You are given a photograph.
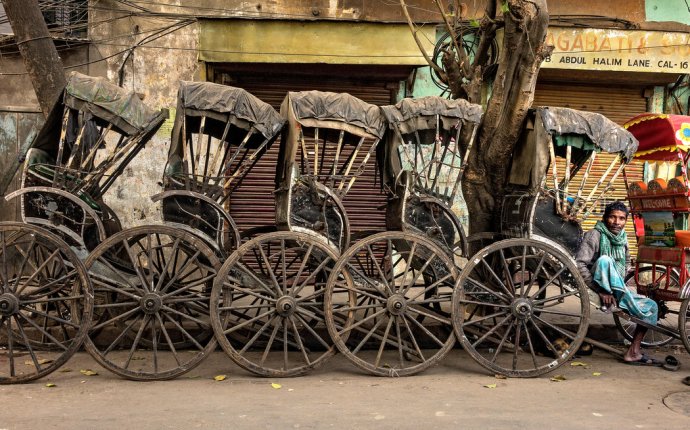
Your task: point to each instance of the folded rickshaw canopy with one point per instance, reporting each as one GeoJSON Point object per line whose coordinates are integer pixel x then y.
{"type": "Point", "coordinates": [604, 134]}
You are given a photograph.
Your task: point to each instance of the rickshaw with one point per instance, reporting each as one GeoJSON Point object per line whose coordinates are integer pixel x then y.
{"type": "Point", "coordinates": [660, 208]}
{"type": "Point", "coordinates": [520, 307]}
{"type": "Point", "coordinates": [47, 299]}
{"type": "Point", "coordinates": [268, 298]}
{"type": "Point", "coordinates": [395, 321]}
{"type": "Point", "coordinates": [158, 278]}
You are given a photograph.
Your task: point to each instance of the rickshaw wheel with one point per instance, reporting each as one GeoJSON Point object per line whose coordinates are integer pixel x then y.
{"type": "Point", "coordinates": [155, 324]}
{"type": "Point", "coordinates": [46, 301]}
{"type": "Point", "coordinates": [668, 310]}
{"type": "Point", "coordinates": [398, 322]}
{"type": "Point", "coordinates": [520, 307]}
{"type": "Point", "coordinates": [267, 303]}
{"type": "Point", "coordinates": [684, 323]}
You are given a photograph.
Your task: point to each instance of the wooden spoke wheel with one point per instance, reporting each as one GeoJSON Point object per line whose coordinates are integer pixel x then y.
{"type": "Point", "coordinates": [46, 301]}
{"type": "Point", "coordinates": [268, 304]}
{"type": "Point", "coordinates": [155, 285]}
{"type": "Point", "coordinates": [684, 323]}
{"type": "Point", "coordinates": [668, 309]}
{"type": "Point", "coordinates": [388, 303]}
{"type": "Point", "coordinates": [520, 307]}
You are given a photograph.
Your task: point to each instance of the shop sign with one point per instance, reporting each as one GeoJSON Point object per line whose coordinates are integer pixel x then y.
{"type": "Point", "coordinates": [616, 50]}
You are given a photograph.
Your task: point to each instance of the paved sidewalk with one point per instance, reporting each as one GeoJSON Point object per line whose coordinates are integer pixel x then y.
{"type": "Point", "coordinates": [451, 395]}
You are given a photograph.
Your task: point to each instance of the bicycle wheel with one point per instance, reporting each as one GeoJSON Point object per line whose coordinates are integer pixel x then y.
{"type": "Point", "coordinates": [668, 309]}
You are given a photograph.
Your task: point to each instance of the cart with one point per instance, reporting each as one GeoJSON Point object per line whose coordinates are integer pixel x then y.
{"type": "Point", "coordinates": [269, 294]}
{"type": "Point", "coordinates": [660, 209]}
{"type": "Point", "coordinates": [47, 298]}
{"type": "Point", "coordinates": [520, 307]}
{"type": "Point", "coordinates": [157, 279]}
{"type": "Point", "coordinates": [396, 319]}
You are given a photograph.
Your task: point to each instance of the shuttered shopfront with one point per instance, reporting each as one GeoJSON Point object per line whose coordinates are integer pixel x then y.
{"type": "Point", "coordinates": [253, 203]}
{"type": "Point", "coordinates": [619, 104]}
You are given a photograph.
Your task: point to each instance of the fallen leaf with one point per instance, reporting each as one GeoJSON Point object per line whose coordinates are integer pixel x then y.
{"type": "Point", "coordinates": [88, 372]}
{"type": "Point", "coordinates": [276, 386]}
{"type": "Point", "coordinates": [499, 376]}
{"type": "Point", "coordinates": [597, 414]}
{"type": "Point", "coordinates": [596, 373]}
{"type": "Point", "coordinates": [50, 385]}
{"type": "Point", "coordinates": [40, 361]}
{"type": "Point", "coordinates": [490, 385]}
{"type": "Point", "coordinates": [219, 377]}
{"type": "Point", "coordinates": [558, 378]}
{"type": "Point", "coordinates": [291, 389]}
{"type": "Point", "coordinates": [578, 363]}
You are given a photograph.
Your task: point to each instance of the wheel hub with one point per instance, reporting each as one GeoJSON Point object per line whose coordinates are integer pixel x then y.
{"type": "Point", "coordinates": [151, 303]}
{"type": "Point", "coordinates": [286, 305]}
{"type": "Point", "coordinates": [396, 304]}
{"type": "Point", "coordinates": [522, 308]}
{"type": "Point", "coordinates": [9, 304]}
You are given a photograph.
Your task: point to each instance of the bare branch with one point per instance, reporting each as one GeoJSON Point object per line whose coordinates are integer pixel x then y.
{"type": "Point", "coordinates": [462, 55]}
{"type": "Point", "coordinates": [414, 30]}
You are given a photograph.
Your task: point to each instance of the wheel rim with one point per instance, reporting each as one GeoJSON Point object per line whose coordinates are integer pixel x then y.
{"type": "Point", "coordinates": [520, 322]}
{"type": "Point", "coordinates": [268, 304]}
{"type": "Point", "coordinates": [399, 323]}
{"type": "Point", "coordinates": [684, 323]}
{"type": "Point", "coordinates": [154, 283]}
{"type": "Point", "coordinates": [46, 301]}
{"type": "Point", "coordinates": [668, 309]}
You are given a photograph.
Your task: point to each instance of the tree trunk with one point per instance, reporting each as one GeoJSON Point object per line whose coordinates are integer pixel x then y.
{"type": "Point", "coordinates": [36, 46]}
{"type": "Point", "coordinates": [523, 50]}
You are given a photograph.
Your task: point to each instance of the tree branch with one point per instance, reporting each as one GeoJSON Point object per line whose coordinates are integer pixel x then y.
{"type": "Point", "coordinates": [413, 30]}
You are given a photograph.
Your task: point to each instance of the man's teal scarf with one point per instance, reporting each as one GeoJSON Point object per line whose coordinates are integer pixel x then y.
{"type": "Point", "coordinates": [613, 246]}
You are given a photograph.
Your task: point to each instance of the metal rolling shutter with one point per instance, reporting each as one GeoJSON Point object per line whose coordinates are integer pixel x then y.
{"type": "Point", "coordinates": [619, 104]}
{"type": "Point", "coordinates": [253, 203]}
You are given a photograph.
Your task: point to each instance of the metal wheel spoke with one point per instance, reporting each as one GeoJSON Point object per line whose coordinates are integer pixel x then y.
{"type": "Point", "coordinates": [368, 336]}
{"type": "Point", "coordinates": [116, 318]}
{"type": "Point", "coordinates": [553, 327]}
{"type": "Point", "coordinates": [492, 330]}
{"type": "Point", "coordinates": [430, 287]}
{"type": "Point", "coordinates": [137, 339]}
{"type": "Point", "coordinates": [271, 339]}
{"type": "Point", "coordinates": [249, 321]}
{"type": "Point", "coordinates": [48, 316]}
{"type": "Point", "coordinates": [518, 332]}
{"type": "Point", "coordinates": [168, 340]}
{"type": "Point", "coordinates": [383, 342]}
{"type": "Point", "coordinates": [44, 332]}
{"type": "Point", "coordinates": [414, 340]}
{"type": "Point", "coordinates": [175, 246]}
{"type": "Point", "coordinates": [499, 347]}
{"type": "Point", "coordinates": [27, 344]}
{"type": "Point", "coordinates": [298, 339]}
{"type": "Point", "coordinates": [256, 336]}
{"type": "Point", "coordinates": [495, 276]}
{"type": "Point", "coordinates": [122, 335]}
{"type": "Point", "coordinates": [312, 331]}
{"type": "Point", "coordinates": [426, 331]}
{"type": "Point", "coordinates": [549, 282]}
{"type": "Point", "coordinates": [184, 332]}
{"type": "Point", "coordinates": [426, 314]}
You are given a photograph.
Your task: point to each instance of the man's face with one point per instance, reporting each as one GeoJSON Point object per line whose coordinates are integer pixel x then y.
{"type": "Point", "coordinates": [615, 221]}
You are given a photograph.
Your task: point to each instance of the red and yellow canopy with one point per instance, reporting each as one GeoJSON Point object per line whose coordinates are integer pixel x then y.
{"type": "Point", "coordinates": [661, 136]}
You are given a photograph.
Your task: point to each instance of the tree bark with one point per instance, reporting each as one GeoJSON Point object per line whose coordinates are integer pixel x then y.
{"type": "Point", "coordinates": [523, 50]}
{"type": "Point", "coordinates": [36, 47]}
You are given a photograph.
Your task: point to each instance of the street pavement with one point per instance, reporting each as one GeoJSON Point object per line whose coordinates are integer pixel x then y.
{"type": "Point", "coordinates": [590, 392]}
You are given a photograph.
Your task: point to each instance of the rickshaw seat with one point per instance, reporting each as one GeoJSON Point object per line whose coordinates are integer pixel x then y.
{"type": "Point", "coordinates": [41, 165]}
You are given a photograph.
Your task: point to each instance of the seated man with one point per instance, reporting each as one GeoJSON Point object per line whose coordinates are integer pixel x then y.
{"type": "Point", "coordinates": [603, 260]}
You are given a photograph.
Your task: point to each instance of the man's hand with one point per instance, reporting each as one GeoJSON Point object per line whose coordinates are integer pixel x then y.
{"type": "Point", "coordinates": [607, 299]}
